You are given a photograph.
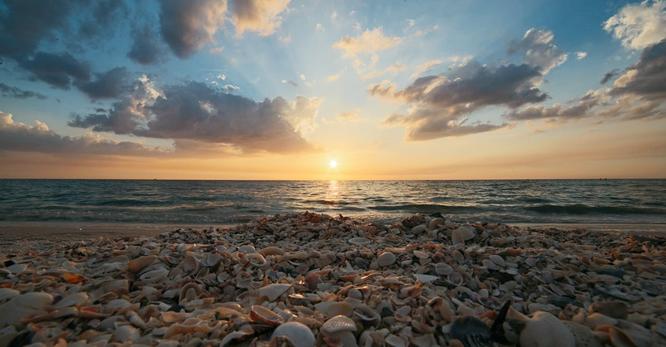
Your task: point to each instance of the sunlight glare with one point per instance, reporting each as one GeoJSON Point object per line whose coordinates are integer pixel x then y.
{"type": "Point", "coordinates": [333, 164]}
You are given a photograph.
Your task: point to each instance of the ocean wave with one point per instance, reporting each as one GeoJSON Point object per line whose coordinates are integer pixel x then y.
{"type": "Point", "coordinates": [425, 208]}
{"type": "Point", "coordinates": [577, 209]}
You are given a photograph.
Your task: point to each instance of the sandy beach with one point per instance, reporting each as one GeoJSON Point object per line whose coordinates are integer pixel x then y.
{"type": "Point", "coordinates": [314, 280]}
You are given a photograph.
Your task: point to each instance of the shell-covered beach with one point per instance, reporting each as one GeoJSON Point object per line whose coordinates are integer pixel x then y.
{"type": "Point", "coordinates": [316, 280]}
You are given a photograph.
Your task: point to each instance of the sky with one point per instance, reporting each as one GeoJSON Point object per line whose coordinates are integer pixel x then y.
{"type": "Point", "coordinates": [260, 89]}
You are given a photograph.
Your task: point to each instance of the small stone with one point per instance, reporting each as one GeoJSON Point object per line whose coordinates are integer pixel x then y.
{"type": "Point", "coordinates": [386, 259]}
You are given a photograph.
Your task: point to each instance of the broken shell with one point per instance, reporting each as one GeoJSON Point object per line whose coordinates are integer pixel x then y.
{"type": "Point", "coordinates": [23, 306]}
{"type": "Point", "coordinates": [273, 291]}
{"type": "Point", "coordinates": [297, 334]}
{"type": "Point", "coordinates": [463, 234]}
{"type": "Point", "coordinates": [334, 308]}
{"type": "Point", "coordinates": [138, 264]}
{"type": "Point", "coordinates": [75, 299]}
{"type": "Point", "coordinates": [614, 309]}
{"type": "Point", "coordinates": [583, 335]}
{"type": "Point", "coordinates": [264, 315]}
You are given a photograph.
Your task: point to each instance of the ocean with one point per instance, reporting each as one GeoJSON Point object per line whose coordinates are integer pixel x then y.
{"type": "Point", "coordinates": [228, 202]}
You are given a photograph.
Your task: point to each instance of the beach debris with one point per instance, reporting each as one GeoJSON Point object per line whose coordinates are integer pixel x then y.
{"type": "Point", "coordinates": [310, 279]}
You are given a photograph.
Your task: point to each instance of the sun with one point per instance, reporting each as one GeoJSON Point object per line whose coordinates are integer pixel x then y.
{"type": "Point", "coordinates": [333, 164]}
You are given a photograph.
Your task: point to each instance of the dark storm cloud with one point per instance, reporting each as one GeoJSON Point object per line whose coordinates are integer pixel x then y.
{"type": "Point", "coordinates": [26, 22]}
{"type": "Point", "coordinates": [110, 84]}
{"type": "Point", "coordinates": [646, 78]}
{"type": "Point", "coordinates": [195, 111]}
{"type": "Point", "coordinates": [440, 102]}
{"type": "Point", "coordinates": [101, 17]}
{"type": "Point", "coordinates": [187, 25]}
{"type": "Point", "coordinates": [146, 47]}
{"type": "Point", "coordinates": [18, 93]}
{"type": "Point", "coordinates": [16, 136]}
{"type": "Point", "coordinates": [58, 70]}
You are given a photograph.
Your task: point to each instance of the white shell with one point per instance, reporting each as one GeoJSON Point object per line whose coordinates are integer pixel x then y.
{"type": "Point", "coordinates": [338, 324]}
{"type": "Point", "coordinates": [298, 334]}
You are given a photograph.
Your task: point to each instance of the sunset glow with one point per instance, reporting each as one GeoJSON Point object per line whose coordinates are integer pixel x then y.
{"type": "Point", "coordinates": [265, 90]}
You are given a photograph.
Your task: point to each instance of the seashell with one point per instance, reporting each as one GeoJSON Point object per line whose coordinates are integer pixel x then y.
{"type": "Point", "coordinates": [334, 308]}
{"type": "Point", "coordinates": [264, 315]}
{"type": "Point", "coordinates": [462, 234]}
{"type": "Point", "coordinates": [421, 254]}
{"type": "Point", "coordinates": [189, 292]}
{"type": "Point", "coordinates": [273, 291]}
{"type": "Point", "coordinates": [617, 337]}
{"type": "Point", "coordinates": [126, 333]}
{"type": "Point", "coordinates": [241, 334]}
{"type": "Point", "coordinates": [17, 268]}
{"type": "Point", "coordinates": [211, 259]}
{"type": "Point", "coordinates": [419, 229]}
{"type": "Point", "coordinates": [338, 324]}
{"type": "Point", "coordinates": [544, 329]}
{"type": "Point", "coordinates": [271, 250]}
{"type": "Point", "coordinates": [443, 269]}
{"type": "Point", "coordinates": [23, 306]}
{"type": "Point", "coordinates": [359, 241]}
{"type": "Point", "coordinates": [386, 259]}
{"type": "Point", "coordinates": [140, 263]}
{"type": "Point", "coordinates": [614, 309]}
{"type": "Point", "coordinates": [297, 334]}
{"type": "Point", "coordinates": [497, 260]}
{"type": "Point", "coordinates": [247, 249]}
{"type": "Point", "coordinates": [471, 331]}
{"type": "Point", "coordinates": [423, 278]}
{"type": "Point", "coordinates": [256, 259]}
{"type": "Point", "coordinates": [156, 275]}
{"type": "Point", "coordinates": [75, 299]}
{"type": "Point", "coordinates": [594, 319]}
{"type": "Point", "coordinates": [8, 293]}
{"type": "Point", "coordinates": [583, 335]}
{"type": "Point", "coordinates": [366, 314]}
{"type": "Point", "coordinates": [395, 341]}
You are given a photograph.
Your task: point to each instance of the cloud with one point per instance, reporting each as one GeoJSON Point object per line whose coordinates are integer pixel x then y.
{"type": "Point", "coordinates": [17, 136]}
{"type": "Point", "coordinates": [639, 25]}
{"type": "Point", "coordinates": [26, 22]}
{"type": "Point", "coordinates": [102, 13]}
{"type": "Point", "coordinates": [609, 76]}
{"type": "Point", "coordinates": [260, 16]}
{"type": "Point", "coordinates": [439, 104]}
{"type": "Point", "coordinates": [18, 93]}
{"type": "Point", "coordinates": [646, 78]}
{"type": "Point", "coordinates": [58, 70]}
{"type": "Point", "coordinates": [110, 84]}
{"type": "Point", "coordinates": [146, 48]}
{"type": "Point", "coordinates": [577, 109]}
{"type": "Point", "coordinates": [187, 25]}
{"type": "Point", "coordinates": [581, 55]}
{"type": "Point", "coordinates": [539, 50]}
{"type": "Point", "coordinates": [197, 112]}
{"type": "Point", "coordinates": [369, 41]}
{"type": "Point", "coordinates": [125, 115]}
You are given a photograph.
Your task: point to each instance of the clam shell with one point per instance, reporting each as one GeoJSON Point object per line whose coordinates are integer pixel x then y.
{"type": "Point", "coordinates": [24, 306]}
{"type": "Point", "coordinates": [138, 264]}
{"type": "Point", "coordinates": [338, 324]}
{"type": "Point", "coordinates": [334, 308]}
{"type": "Point", "coordinates": [298, 334]}
{"type": "Point", "coordinates": [74, 299]}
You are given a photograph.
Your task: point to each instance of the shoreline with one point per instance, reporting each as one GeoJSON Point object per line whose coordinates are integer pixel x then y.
{"type": "Point", "coordinates": [11, 231]}
{"type": "Point", "coordinates": [314, 280]}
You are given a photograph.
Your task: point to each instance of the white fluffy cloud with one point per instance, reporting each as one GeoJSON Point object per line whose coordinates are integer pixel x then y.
{"type": "Point", "coordinates": [639, 25]}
